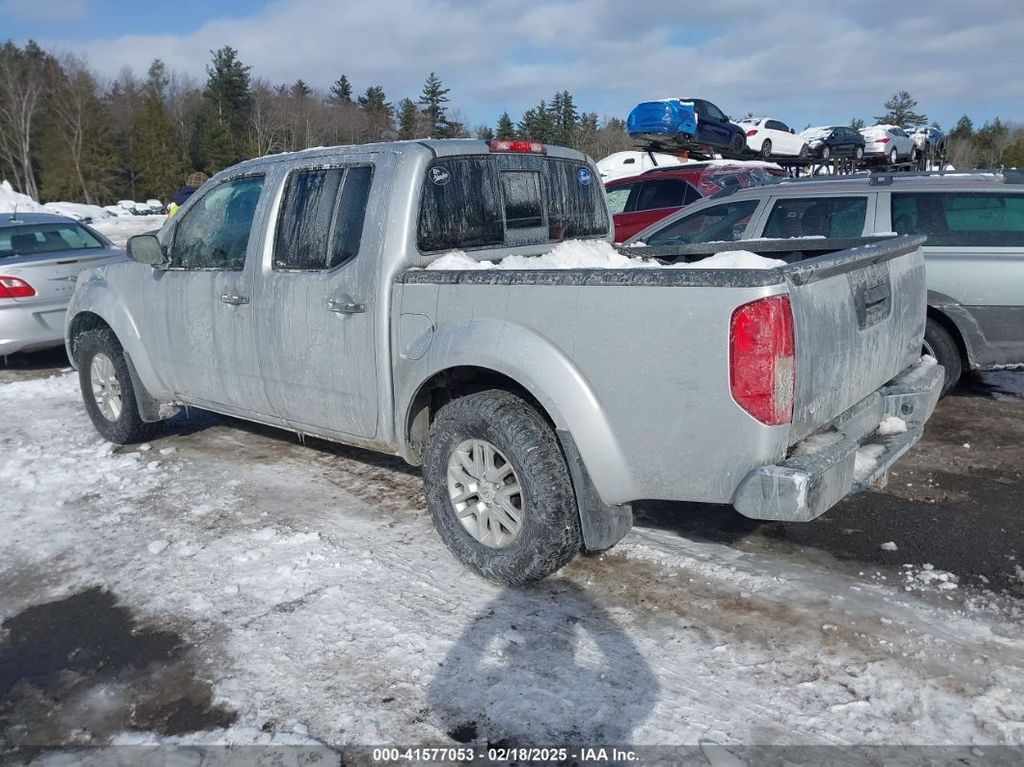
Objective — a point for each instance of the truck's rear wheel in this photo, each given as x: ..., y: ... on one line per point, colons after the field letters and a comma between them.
x: 499, y: 489
x: 942, y: 346
x: 107, y: 389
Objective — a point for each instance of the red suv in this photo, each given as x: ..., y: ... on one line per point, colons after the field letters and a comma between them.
x: 637, y: 202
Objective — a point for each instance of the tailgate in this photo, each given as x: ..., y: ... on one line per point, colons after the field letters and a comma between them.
x: 859, y: 317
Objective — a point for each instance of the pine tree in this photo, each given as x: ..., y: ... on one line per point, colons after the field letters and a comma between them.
x: 538, y: 123
x: 409, y: 119
x: 483, y: 132
x: 505, y: 129
x: 565, y: 119
x: 433, y: 100
x: 160, y: 170
x: 964, y: 128
x: 341, y: 91
x: 856, y: 123
x: 901, y: 112
x: 225, y: 116
x: 379, y: 113
x: 300, y: 90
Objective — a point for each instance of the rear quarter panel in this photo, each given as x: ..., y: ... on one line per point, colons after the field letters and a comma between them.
x: 638, y: 373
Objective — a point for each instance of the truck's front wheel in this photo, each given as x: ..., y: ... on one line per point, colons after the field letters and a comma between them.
x: 499, y: 490
x: 107, y: 389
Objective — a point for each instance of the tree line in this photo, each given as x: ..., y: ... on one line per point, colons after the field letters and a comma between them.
x: 67, y: 135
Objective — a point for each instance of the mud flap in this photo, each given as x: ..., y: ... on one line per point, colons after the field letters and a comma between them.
x: 151, y: 410
x: 602, y: 525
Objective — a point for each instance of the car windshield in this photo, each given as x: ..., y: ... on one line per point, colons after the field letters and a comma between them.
x: 817, y: 132
x: 30, y: 239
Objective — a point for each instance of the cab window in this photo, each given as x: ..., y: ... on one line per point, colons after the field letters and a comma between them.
x: 723, y: 222
x: 983, y: 219
x: 214, y: 233
x: 321, y: 219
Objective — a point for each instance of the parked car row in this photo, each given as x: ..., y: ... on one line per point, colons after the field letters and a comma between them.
x: 974, y: 252
x: 698, y: 124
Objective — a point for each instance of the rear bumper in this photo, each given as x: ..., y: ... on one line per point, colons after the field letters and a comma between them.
x: 31, y: 326
x: 847, y: 456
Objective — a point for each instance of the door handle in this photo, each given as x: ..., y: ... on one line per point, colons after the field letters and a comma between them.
x: 344, y: 304
x: 234, y: 299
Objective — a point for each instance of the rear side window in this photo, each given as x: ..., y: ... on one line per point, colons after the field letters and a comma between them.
x: 723, y: 222
x: 817, y: 217
x: 973, y: 220
x: 506, y: 200
x: 618, y: 197
x: 45, y: 238
x: 666, y: 193
x: 321, y: 220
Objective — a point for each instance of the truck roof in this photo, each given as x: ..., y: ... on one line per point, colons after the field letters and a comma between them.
x: 437, y: 148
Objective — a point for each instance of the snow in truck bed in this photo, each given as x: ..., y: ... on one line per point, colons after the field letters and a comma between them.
x: 598, y: 254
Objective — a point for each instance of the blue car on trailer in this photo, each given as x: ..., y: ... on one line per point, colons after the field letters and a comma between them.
x: 686, y: 124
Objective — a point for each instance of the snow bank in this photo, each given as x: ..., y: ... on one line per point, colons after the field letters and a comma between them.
x: 598, y: 254
x: 9, y: 200
x: 78, y: 211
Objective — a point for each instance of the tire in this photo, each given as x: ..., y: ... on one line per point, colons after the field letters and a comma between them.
x: 766, y: 149
x: 859, y: 153
x: 737, y: 144
x: 548, y: 535
x: 107, y: 389
x: 942, y: 346
x: 893, y: 156
x: 805, y: 152
x: 826, y: 152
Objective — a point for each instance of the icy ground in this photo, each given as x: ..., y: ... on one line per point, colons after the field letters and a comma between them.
x: 319, y: 602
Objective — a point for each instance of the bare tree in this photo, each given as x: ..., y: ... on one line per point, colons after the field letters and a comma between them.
x: 264, y: 120
x: 22, y: 87
x: 184, y: 102
x: 73, y: 92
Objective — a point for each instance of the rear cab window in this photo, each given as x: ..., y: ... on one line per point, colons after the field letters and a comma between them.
x: 817, y: 217
x: 965, y: 219
x: 508, y: 200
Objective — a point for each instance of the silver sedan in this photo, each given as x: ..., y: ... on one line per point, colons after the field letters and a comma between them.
x: 40, y: 257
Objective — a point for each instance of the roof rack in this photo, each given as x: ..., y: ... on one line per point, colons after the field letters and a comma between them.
x: 1009, y: 175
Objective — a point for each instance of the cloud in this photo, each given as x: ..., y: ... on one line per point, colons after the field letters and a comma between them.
x: 804, y: 61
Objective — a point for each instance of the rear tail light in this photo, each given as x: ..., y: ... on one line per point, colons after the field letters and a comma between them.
x: 517, y: 145
x: 881, y: 141
x: 752, y: 132
x: 14, y: 287
x: 762, y: 361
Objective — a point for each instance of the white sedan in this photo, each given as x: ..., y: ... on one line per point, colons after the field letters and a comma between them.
x: 772, y: 138
x: 890, y: 142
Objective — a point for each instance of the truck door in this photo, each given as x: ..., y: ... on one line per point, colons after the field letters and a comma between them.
x: 317, y: 297
x: 198, y: 311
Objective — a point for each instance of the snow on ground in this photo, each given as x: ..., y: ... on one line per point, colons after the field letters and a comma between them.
x: 599, y: 254
x: 321, y: 603
x: 119, y: 228
x: 11, y: 200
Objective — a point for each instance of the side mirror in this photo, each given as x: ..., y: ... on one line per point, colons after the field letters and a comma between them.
x: 146, y: 249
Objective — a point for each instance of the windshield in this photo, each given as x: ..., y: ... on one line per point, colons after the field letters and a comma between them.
x: 817, y: 132
x: 30, y: 239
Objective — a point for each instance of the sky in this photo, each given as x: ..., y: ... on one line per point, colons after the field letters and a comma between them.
x: 805, y: 62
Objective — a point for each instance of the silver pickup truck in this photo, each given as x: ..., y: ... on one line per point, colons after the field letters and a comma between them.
x: 291, y: 290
